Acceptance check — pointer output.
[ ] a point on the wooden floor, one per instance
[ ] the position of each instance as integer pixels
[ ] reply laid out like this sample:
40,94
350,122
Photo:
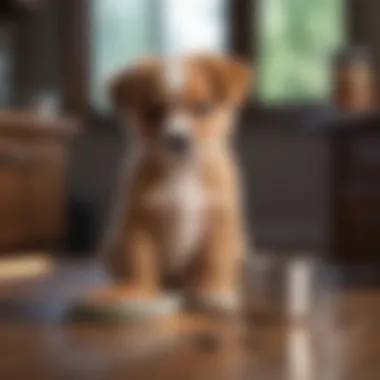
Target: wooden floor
339,337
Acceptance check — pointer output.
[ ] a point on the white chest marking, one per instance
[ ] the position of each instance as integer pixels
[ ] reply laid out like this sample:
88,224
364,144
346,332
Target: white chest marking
175,78
181,204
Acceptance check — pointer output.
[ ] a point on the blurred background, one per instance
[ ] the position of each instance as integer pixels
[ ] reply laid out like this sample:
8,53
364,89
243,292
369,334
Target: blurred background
309,146
308,140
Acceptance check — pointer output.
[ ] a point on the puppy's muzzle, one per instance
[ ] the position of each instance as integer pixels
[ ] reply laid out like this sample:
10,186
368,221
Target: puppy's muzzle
177,143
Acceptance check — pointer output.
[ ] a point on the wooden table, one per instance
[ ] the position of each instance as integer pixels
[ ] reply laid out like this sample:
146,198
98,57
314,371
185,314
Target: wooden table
340,340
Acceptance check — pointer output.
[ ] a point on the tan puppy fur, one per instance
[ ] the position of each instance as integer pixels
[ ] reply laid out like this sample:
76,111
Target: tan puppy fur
178,220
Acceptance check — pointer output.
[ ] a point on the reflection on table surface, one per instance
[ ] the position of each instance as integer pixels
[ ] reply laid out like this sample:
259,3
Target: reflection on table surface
301,322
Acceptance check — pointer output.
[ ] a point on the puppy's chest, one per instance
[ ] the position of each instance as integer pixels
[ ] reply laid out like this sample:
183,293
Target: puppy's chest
180,205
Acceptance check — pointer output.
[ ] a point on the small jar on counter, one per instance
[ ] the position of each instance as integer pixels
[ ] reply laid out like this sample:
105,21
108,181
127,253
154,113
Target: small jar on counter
354,81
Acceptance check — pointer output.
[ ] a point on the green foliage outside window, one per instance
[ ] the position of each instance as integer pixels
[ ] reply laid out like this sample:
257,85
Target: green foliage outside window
297,40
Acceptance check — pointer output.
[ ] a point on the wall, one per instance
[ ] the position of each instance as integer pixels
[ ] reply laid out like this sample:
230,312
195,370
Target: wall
287,179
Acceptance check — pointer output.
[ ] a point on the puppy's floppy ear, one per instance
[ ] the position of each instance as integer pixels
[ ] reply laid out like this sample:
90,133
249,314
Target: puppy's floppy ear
230,77
127,88
122,89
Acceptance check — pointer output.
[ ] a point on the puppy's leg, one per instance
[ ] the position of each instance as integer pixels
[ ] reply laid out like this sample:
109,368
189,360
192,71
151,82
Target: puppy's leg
215,284
134,293
132,264
138,266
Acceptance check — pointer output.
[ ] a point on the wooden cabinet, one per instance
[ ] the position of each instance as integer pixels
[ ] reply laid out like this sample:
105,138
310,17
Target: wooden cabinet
355,189
33,192
12,196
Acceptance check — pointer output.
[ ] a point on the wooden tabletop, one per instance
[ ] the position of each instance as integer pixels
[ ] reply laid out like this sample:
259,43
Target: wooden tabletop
29,123
339,340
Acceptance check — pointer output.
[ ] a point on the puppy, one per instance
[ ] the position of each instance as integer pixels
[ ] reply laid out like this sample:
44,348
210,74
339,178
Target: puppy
178,221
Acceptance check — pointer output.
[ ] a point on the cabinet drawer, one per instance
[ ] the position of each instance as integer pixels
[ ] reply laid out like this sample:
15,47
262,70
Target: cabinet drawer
16,154
14,160
359,223
31,192
361,157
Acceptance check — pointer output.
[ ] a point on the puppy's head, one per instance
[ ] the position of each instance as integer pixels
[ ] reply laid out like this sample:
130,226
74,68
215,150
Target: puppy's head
181,108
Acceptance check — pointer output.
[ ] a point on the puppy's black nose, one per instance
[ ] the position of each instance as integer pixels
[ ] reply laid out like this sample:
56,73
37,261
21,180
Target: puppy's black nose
177,143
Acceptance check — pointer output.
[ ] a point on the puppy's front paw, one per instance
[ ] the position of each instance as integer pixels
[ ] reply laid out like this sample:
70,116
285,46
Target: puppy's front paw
125,303
216,302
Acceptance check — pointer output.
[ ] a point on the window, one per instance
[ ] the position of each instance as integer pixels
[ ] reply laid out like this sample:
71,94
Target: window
124,30
293,42
296,41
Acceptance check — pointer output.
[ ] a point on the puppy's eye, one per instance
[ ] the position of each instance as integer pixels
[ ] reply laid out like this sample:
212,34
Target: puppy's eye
154,113
201,109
